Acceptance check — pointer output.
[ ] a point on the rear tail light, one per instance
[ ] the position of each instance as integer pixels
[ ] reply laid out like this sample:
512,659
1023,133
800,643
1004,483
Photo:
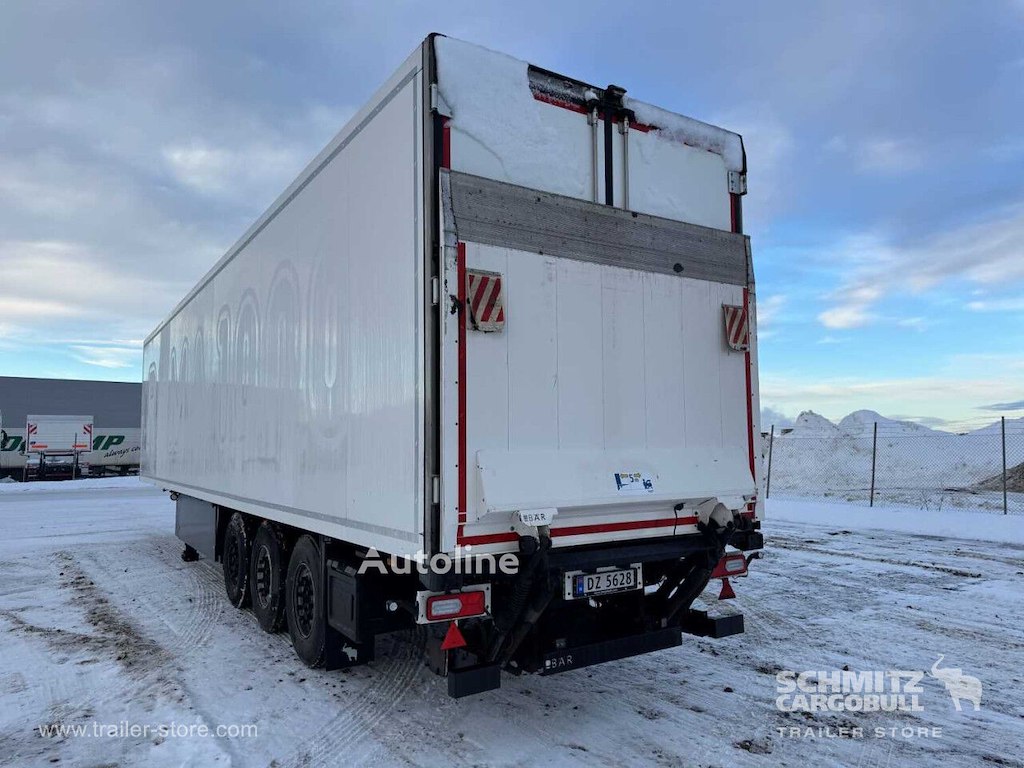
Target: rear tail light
730,565
456,606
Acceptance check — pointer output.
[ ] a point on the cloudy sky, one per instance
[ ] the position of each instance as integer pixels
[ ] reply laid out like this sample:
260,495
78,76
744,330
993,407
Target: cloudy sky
885,143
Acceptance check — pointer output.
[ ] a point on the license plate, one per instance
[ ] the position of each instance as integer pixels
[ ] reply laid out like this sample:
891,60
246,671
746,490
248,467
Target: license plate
580,585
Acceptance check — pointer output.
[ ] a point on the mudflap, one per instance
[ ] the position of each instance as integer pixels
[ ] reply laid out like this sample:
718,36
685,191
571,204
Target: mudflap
567,659
470,681
341,653
698,622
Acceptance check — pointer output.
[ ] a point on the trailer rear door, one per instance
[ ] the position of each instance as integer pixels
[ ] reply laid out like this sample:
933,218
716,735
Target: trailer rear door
609,390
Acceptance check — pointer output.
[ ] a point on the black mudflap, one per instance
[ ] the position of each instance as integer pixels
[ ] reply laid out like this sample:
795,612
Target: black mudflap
698,622
609,650
473,680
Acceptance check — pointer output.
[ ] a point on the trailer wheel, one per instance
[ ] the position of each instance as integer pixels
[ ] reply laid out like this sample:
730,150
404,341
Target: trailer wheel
268,575
307,623
235,561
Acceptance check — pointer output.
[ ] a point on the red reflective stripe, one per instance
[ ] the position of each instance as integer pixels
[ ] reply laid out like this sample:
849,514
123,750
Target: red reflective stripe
750,396
485,315
489,538
461,278
730,321
446,144
573,107
477,284
584,530
560,102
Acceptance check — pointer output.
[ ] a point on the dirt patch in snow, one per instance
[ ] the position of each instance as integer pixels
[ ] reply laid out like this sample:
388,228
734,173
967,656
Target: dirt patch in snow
114,636
1014,481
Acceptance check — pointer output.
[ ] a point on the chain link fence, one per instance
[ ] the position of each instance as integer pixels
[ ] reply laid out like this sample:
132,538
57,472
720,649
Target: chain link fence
931,470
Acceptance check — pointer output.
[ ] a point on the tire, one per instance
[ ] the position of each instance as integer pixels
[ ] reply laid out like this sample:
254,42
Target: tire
235,561
267,576
304,602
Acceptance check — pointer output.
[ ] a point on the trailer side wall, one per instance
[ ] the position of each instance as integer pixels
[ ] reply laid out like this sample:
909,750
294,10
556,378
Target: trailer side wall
289,382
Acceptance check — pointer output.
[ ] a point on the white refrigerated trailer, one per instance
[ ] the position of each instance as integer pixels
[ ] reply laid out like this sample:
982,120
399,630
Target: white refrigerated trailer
54,444
504,311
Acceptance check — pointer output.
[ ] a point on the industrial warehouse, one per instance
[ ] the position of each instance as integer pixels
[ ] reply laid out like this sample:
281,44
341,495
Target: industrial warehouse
113,447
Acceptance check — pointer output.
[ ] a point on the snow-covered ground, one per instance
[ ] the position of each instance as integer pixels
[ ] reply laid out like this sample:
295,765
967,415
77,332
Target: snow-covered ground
102,625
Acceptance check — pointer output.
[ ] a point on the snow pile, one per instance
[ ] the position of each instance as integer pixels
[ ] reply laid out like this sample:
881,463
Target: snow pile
810,423
692,132
913,463
492,105
863,422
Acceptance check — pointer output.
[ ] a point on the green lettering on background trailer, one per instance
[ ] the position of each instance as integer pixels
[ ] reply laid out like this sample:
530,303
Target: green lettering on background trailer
106,442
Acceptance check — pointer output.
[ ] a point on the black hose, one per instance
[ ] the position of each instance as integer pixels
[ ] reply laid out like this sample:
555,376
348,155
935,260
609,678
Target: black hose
506,620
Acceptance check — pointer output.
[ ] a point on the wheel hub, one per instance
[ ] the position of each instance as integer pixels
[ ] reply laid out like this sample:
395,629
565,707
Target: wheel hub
305,600
263,577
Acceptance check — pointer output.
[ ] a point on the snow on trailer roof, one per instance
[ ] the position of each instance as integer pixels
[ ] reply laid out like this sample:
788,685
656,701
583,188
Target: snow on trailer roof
495,91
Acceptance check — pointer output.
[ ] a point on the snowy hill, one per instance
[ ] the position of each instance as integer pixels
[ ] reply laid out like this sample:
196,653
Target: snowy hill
810,423
860,422
1013,426
912,461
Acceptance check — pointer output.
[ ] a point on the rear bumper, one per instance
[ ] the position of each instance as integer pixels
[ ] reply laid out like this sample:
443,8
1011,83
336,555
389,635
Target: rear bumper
610,650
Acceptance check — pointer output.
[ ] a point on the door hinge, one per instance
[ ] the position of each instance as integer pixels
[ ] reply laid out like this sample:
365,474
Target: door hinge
435,290
737,183
435,489
437,102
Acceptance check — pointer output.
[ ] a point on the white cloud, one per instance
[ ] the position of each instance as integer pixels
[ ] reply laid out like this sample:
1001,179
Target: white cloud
997,305
987,252
108,357
768,310
888,156
47,284
220,172
853,311
772,417
879,155
944,395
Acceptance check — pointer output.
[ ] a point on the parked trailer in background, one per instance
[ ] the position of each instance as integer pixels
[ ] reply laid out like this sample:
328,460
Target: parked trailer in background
115,450
54,444
489,365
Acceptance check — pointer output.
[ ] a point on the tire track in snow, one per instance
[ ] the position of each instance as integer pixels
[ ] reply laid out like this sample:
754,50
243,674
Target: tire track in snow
347,731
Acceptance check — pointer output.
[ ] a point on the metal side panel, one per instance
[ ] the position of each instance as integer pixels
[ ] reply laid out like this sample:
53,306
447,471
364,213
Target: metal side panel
496,213
195,523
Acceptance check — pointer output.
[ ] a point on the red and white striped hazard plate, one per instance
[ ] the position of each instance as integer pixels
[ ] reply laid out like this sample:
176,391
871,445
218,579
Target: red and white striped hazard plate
483,295
737,331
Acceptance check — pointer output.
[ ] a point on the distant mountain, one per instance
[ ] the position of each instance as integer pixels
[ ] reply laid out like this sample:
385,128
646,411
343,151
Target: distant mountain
1014,426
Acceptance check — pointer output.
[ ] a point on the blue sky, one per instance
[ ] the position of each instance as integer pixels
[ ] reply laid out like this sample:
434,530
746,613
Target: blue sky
885,143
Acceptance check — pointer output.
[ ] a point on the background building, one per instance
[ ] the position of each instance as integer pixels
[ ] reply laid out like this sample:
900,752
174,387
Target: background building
116,408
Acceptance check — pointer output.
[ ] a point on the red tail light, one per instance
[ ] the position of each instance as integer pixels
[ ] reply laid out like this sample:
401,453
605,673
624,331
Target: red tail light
730,565
456,606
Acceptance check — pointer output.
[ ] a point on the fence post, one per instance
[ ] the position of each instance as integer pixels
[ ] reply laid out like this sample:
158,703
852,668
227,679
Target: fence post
1003,431
874,453
771,442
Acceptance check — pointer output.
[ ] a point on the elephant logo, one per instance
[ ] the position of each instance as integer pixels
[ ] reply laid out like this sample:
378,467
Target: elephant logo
959,685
